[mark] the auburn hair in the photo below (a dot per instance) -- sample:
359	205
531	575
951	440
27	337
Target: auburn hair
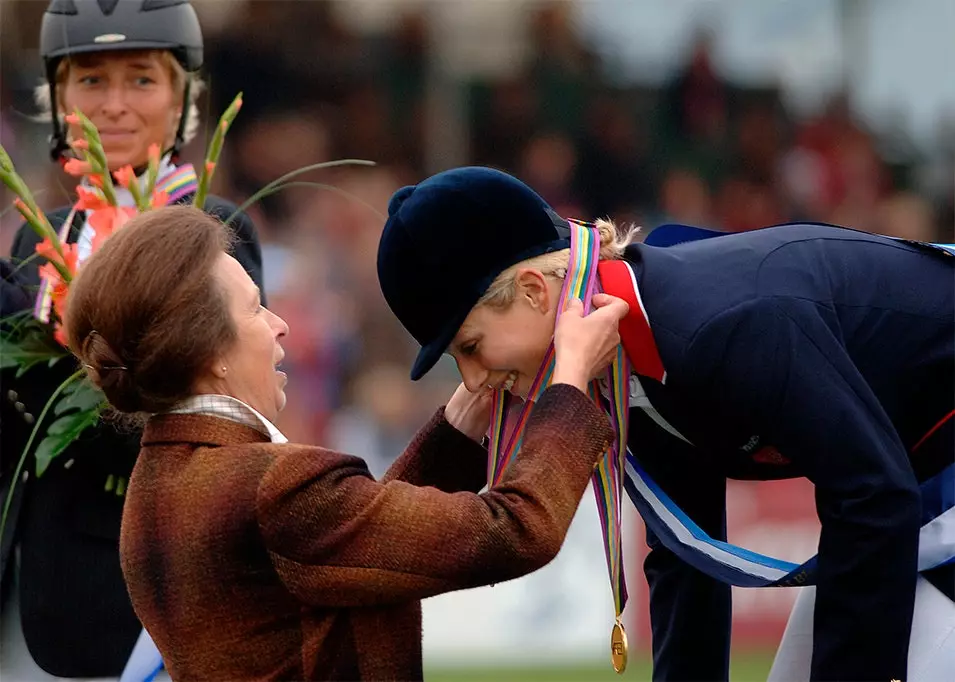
146	314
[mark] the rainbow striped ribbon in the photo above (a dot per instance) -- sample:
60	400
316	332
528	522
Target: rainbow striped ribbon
181	182
581	282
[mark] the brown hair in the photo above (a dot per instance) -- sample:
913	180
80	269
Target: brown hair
145	314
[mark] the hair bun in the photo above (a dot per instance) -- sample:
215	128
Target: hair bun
110	373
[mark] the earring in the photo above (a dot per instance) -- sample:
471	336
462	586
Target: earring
224	369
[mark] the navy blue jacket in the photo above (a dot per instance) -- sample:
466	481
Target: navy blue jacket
836	348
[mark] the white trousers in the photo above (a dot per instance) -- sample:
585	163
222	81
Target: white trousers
931	645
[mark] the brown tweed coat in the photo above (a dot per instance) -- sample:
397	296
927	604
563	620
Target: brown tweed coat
248	560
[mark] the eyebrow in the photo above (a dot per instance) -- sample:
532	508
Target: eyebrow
463	338
464	331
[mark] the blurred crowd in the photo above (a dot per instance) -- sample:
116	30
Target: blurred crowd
698	150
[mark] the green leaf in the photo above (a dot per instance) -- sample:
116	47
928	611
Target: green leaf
14	327
84	397
29	345
20	318
61	433
60	425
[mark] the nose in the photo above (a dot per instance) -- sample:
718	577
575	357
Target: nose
279	325
472	374
114	103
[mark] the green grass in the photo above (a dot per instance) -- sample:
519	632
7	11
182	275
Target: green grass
745	667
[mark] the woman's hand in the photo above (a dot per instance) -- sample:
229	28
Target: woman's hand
586	344
470	413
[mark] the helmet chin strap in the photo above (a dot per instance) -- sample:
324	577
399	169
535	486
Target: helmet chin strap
183	118
58	145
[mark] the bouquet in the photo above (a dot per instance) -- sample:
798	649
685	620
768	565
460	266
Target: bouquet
35	337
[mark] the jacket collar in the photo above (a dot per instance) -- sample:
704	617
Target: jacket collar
199	429
617	279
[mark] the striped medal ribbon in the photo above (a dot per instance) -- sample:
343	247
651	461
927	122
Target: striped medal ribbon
582	283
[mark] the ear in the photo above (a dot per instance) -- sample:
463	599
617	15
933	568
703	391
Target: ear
219	368
212	377
533	289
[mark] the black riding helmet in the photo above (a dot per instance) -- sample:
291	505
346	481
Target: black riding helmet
73	27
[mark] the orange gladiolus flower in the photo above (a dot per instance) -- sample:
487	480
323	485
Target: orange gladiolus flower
125	176
72	119
46	250
107	220
160	198
77	168
210	167
89	200
71	255
23	208
80	144
60	292
51	273
59	288
96	180
60	335
70	260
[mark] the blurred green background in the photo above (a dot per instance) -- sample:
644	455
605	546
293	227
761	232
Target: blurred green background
746	666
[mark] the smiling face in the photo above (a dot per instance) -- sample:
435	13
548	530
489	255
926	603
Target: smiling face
249	371
504	347
130	97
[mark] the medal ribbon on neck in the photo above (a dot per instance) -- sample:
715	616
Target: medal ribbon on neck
581	282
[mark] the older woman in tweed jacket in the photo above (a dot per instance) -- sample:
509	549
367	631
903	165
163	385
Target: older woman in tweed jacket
251	558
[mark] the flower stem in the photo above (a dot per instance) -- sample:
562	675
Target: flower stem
97	156
215	149
272	186
35	218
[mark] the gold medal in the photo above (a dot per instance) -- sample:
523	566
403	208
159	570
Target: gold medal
618	647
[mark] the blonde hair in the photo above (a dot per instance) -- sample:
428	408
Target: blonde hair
41	93
613	241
